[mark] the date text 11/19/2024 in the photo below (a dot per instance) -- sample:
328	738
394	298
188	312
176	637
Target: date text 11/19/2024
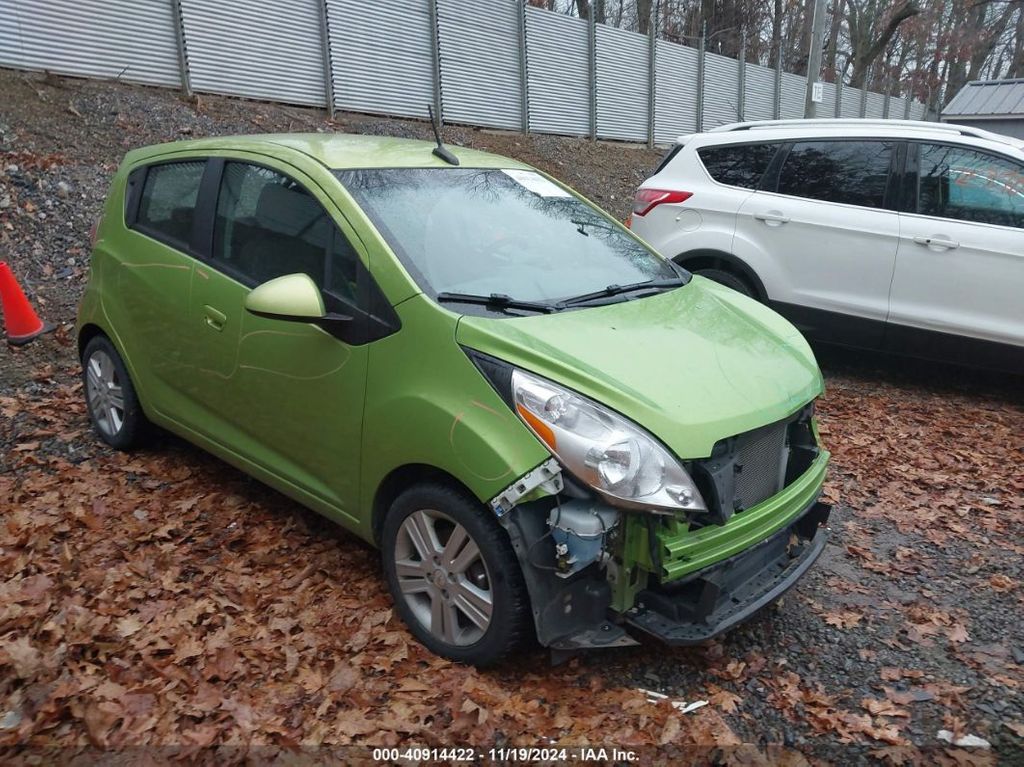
504	754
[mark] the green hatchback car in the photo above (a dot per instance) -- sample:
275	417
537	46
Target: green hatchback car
546	427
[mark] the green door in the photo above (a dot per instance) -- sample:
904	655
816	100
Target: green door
151	276
285	397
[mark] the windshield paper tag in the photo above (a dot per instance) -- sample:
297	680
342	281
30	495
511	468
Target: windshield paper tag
536	183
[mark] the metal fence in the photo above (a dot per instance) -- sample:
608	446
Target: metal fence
496	64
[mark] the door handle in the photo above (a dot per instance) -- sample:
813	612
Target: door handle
941	243
214	318
772	218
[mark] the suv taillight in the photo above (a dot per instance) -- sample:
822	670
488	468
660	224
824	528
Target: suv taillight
647	200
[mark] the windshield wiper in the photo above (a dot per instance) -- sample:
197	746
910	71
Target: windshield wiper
496	300
615	290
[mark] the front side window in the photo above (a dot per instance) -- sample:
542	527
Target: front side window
738	165
268	225
168	202
963	184
848	172
500	232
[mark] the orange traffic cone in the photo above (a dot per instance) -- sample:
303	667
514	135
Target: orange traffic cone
20	321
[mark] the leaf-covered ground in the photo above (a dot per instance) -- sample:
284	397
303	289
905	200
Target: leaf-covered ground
162	598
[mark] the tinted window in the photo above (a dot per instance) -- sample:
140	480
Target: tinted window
268	225
168	202
850	172
484	231
738	165
960	183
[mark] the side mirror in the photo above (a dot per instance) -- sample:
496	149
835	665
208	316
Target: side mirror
293	297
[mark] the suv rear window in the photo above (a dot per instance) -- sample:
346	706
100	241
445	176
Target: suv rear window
168	201
740	165
849	172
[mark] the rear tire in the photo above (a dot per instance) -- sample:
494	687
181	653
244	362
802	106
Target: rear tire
110	397
728	279
453	575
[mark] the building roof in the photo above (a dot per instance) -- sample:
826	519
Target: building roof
988	98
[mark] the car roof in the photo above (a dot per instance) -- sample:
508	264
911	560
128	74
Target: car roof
767	130
337	151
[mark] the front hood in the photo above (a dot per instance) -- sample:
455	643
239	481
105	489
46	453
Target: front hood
692	365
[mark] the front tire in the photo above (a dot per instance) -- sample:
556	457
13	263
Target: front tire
728	279
110	397
453	575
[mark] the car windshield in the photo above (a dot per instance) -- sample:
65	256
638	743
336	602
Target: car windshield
508	235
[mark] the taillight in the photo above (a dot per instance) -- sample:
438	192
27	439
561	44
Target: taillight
647	200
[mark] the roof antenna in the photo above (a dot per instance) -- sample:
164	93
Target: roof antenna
440	150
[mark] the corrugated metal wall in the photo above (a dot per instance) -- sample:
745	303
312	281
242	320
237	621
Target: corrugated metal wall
95	38
794	96
558	59
480	78
264	51
621	84
827	107
760	100
395	57
675	97
851	102
722	98
875	106
382	58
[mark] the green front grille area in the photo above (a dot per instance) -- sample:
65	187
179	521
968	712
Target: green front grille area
684	552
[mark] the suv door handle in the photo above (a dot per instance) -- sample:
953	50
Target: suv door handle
214	318
940	243
772	218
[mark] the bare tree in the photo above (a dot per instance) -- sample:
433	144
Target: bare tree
872	25
924	47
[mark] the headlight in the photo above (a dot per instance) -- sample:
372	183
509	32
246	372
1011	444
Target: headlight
610	453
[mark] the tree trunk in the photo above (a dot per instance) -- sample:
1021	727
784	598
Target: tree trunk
773	54
643	16
866	50
1017	62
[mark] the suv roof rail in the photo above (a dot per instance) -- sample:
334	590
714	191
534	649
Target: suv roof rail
853	122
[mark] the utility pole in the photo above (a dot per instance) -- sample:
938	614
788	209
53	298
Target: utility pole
817	11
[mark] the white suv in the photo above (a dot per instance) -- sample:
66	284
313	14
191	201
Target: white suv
896	235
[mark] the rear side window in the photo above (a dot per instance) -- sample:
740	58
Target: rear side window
738	165
849	172
268	225
168	201
960	183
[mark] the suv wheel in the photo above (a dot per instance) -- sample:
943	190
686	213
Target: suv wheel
728	279
110	396
453	575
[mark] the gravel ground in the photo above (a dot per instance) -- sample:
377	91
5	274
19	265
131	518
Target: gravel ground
910	624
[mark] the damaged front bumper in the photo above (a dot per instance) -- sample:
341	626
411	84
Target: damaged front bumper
664	577
724	595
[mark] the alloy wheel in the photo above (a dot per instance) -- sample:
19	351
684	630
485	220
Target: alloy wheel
103	388
443	577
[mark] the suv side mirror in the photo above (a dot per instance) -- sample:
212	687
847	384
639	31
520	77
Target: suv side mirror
293	297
